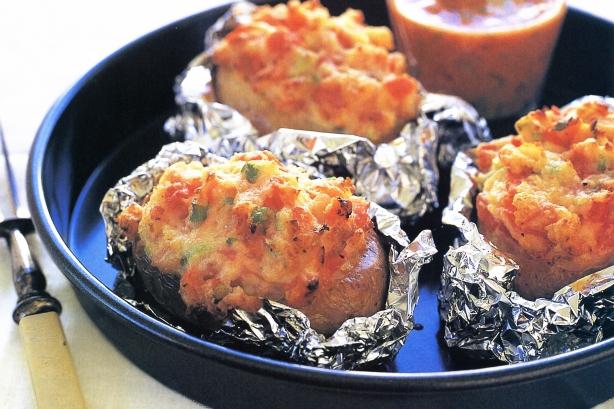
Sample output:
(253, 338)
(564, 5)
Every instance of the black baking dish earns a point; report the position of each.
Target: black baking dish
(111, 121)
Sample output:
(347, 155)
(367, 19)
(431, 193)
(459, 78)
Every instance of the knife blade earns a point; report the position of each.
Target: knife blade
(18, 216)
(52, 371)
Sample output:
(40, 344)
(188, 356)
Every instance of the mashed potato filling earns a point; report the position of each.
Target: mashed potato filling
(551, 186)
(248, 229)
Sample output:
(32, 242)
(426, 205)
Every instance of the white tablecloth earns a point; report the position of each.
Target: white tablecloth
(108, 380)
(45, 46)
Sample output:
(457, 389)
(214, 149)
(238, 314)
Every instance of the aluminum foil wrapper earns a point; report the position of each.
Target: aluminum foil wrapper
(278, 330)
(401, 176)
(486, 318)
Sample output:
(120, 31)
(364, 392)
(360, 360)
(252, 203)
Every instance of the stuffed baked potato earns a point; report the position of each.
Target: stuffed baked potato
(295, 66)
(547, 195)
(210, 239)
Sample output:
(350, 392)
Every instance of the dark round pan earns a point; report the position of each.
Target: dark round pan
(110, 121)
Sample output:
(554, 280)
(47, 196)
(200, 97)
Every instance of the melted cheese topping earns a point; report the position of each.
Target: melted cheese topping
(300, 59)
(552, 185)
(248, 229)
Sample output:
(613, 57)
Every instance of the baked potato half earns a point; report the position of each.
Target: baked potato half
(295, 66)
(210, 239)
(547, 195)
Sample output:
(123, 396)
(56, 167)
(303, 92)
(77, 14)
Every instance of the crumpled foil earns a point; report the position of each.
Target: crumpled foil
(401, 176)
(278, 330)
(486, 318)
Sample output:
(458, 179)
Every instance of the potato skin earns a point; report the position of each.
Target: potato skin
(164, 288)
(361, 292)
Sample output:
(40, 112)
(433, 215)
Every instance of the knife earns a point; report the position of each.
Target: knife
(53, 374)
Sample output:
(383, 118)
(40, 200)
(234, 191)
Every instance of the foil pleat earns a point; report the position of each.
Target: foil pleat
(278, 330)
(285, 332)
(483, 315)
(402, 176)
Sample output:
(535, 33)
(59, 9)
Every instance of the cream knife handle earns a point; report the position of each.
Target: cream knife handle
(53, 375)
(52, 371)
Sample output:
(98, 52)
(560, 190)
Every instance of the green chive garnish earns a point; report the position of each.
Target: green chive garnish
(259, 215)
(199, 213)
(250, 171)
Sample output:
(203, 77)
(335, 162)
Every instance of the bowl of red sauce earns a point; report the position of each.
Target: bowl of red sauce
(492, 53)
